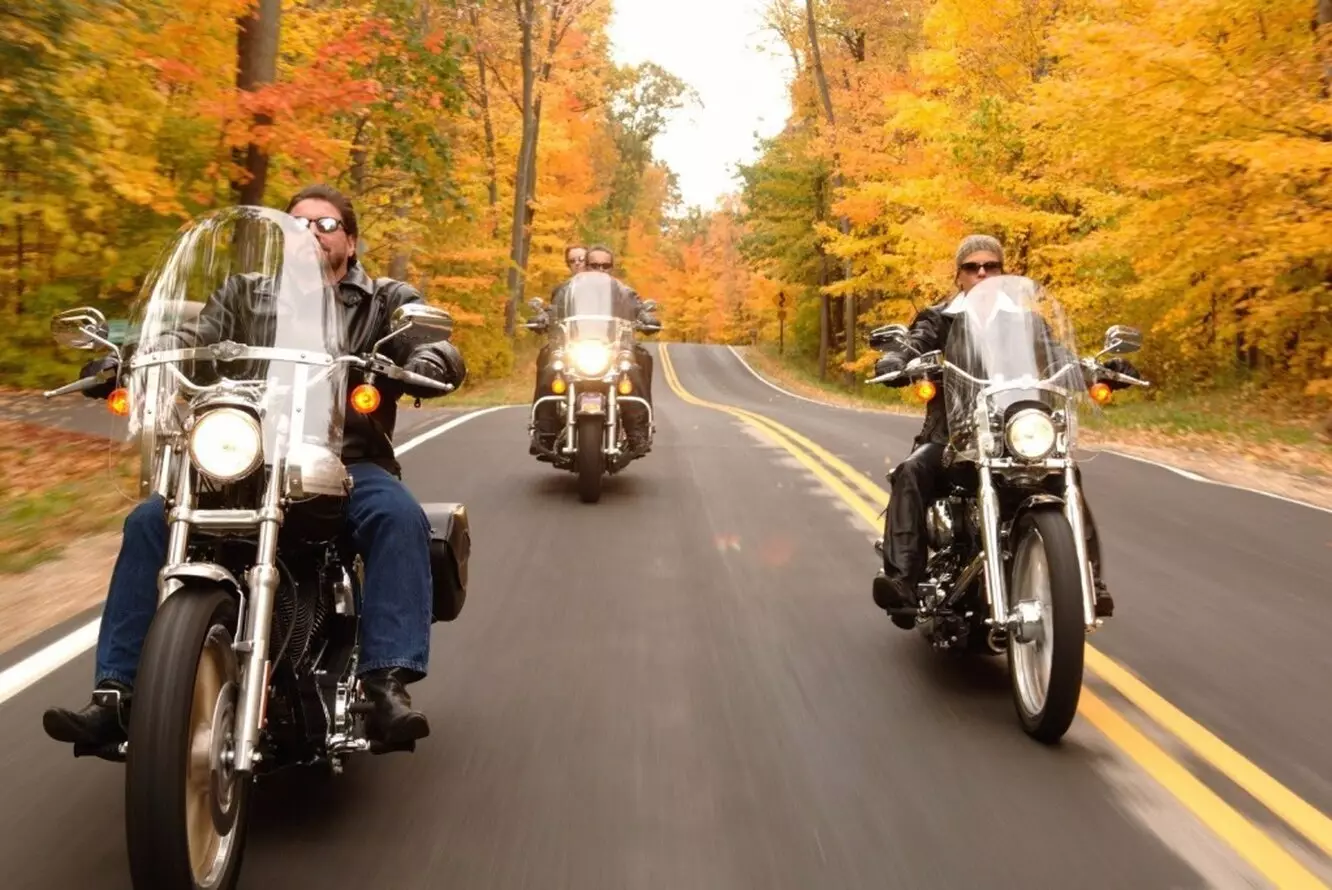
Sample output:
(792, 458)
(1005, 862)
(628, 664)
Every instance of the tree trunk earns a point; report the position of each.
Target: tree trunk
(552, 44)
(256, 66)
(843, 224)
(492, 177)
(1324, 23)
(526, 13)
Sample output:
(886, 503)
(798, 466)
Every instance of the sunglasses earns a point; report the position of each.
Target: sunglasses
(990, 267)
(600, 267)
(326, 224)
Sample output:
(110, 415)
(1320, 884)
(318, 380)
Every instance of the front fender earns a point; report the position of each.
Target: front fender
(1033, 502)
(198, 571)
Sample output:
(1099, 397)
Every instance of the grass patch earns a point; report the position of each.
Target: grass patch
(57, 488)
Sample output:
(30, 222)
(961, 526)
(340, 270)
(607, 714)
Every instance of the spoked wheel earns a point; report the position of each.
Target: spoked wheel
(1045, 652)
(591, 463)
(185, 809)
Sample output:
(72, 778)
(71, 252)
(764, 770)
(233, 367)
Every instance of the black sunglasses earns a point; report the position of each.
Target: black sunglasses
(990, 267)
(600, 267)
(325, 224)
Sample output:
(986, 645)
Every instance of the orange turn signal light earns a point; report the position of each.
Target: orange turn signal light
(926, 390)
(365, 399)
(1100, 393)
(119, 402)
(558, 386)
(625, 386)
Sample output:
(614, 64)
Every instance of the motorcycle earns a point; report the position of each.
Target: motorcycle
(1008, 568)
(593, 361)
(250, 663)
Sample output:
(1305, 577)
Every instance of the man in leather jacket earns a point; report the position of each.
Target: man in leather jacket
(599, 259)
(915, 480)
(387, 524)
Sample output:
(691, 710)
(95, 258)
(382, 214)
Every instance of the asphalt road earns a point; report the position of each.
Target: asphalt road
(687, 686)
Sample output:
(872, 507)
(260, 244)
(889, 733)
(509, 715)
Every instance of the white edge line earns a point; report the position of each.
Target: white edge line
(1176, 470)
(46, 661)
(786, 392)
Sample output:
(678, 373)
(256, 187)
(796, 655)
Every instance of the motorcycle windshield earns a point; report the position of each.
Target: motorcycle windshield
(1010, 342)
(586, 308)
(238, 311)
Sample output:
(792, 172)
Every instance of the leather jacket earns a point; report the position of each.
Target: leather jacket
(369, 306)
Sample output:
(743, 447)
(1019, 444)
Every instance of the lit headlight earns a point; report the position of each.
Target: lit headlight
(226, 444)
(1030, 434)
(591, 357)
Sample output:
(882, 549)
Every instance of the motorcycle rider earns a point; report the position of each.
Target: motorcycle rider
(598, 259)
(388, 526)
(915, 480)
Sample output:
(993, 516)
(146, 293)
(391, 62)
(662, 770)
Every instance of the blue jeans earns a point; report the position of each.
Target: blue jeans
(390, 531)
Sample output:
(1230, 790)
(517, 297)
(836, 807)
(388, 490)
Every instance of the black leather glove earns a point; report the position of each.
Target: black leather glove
(98, 366)
(1121, 366)
(441, 362)
(891, 364)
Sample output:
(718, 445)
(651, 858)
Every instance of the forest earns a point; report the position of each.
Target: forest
(1166, 165)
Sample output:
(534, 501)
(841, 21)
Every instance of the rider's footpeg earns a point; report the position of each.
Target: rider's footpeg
(113, 698)
(114, 751)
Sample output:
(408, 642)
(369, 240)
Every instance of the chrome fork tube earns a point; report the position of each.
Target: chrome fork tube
(611, 441)
(570, 446)
(1076, 521)
(263, 584)
(994, 558)
(178, 537)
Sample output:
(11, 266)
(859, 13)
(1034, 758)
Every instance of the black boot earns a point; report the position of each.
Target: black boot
(101, 722)
(392, 724)
(894, 594)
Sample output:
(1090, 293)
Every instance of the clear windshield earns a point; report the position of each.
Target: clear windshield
(238, 308)
(1010, 342)
(594, 306)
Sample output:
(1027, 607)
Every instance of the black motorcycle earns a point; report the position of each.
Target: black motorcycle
(1008, 567)
(250, 663)
(593, 361)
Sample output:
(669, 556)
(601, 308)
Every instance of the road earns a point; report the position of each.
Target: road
(687, 686)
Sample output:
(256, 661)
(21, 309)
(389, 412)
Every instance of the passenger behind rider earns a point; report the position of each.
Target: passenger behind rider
(387, 525)
(915, 482)
(598, 259)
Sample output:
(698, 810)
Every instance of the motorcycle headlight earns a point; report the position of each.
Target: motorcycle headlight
(1030, 434)
(591, 357)
(226, 444)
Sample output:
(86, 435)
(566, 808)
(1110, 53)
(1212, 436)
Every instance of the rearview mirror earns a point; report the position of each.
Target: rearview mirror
(83, 328)
(1122, 340)
(418, 324)
(536, 304)
(889, 336)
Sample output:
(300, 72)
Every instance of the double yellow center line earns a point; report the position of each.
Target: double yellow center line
(1272, 860)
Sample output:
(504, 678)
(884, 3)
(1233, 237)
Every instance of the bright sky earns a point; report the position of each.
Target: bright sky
(718, 47)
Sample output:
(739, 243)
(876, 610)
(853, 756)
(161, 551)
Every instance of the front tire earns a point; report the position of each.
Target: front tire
(1046, 674)
(178, 787)
(590, 463)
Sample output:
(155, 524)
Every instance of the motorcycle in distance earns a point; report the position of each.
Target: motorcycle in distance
(250, 663)
(1008, 566)
(592, 357)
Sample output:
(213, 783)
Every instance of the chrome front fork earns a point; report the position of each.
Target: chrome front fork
(994, 556)
(1073, 511)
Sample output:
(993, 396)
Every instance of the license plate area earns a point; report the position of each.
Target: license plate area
(591, 403)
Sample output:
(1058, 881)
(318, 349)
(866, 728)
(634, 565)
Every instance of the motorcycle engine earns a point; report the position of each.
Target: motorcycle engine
(939, 524)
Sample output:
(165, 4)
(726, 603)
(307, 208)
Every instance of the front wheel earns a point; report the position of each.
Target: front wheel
(185, 807)
(589, 460)
(1046, 590)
